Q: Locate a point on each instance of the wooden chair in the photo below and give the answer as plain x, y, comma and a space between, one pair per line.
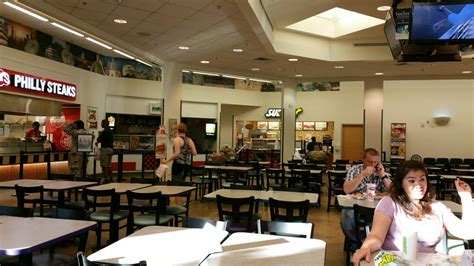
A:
304, 230
199, 179
299, 177
33, 195
237, 212
289, 207
335, 187
275, 177
429, 161
228, 177
83, 261
109, 212
149, 214
179, 211
363, 217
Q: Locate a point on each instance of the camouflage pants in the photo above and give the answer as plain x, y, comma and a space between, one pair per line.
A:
75, 163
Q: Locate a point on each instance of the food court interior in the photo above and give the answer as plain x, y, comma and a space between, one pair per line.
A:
254, 80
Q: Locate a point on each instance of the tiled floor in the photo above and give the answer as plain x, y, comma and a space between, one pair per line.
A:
326, 228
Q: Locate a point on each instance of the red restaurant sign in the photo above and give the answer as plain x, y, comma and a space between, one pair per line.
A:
28, 84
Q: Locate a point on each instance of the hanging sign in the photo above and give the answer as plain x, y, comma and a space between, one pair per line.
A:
273, 113
32, 85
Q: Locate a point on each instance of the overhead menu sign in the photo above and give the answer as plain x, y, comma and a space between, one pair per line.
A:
32, 85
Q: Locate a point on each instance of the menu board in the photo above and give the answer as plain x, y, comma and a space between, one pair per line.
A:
398, 140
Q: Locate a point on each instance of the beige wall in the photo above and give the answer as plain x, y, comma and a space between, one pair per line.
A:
343, 107
417, 102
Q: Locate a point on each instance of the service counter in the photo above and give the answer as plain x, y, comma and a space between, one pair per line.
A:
32, 164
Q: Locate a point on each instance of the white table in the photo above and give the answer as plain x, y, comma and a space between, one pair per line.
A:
348, 202
168, 191
22, 236
421, 258
257, 249
452, 177
24, 183
453, 206
311, 171
120, 188
263, 195
464, 170
228, 167
161, 245
61, 186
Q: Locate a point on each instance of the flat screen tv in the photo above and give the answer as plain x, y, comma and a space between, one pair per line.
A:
390, 31
211, 130
442, 22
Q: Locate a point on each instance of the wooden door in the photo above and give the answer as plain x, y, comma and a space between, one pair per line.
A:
352, 142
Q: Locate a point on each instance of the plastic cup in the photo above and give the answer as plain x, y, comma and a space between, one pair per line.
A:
371, 191
409, 245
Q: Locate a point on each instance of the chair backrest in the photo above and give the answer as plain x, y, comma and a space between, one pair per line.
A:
455, 161
468, 161
285, 210
198, 171
304, 230
83, 261
142, 180
22, 192
233, 176
156, 206
363, 218
276, 174
70, 214
336, 179
290, 165
190, 222
94, 199
442, 161
299, 176
429, 161
16, 211
245, 187
241, 209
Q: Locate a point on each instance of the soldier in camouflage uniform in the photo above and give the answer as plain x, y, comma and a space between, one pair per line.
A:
75, 158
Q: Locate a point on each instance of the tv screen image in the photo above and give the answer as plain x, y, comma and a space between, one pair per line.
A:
211, 130
390, 34
442, 22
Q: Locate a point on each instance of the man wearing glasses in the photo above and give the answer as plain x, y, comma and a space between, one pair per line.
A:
370, 171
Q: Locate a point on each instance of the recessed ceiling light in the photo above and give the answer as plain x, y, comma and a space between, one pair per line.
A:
255, 69
98, 43
120, 21
293, 59
384, 8
206, 73
21, 9
67, 29
237, 50
298, 76
379, 74
183, 47
339, 67
205, 62
467, 72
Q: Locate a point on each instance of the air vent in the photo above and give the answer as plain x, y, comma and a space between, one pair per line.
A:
262, 59
371, 44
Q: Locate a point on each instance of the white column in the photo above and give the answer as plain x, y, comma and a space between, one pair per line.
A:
288, 104
373, 106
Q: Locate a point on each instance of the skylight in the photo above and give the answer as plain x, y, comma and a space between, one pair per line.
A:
335, 22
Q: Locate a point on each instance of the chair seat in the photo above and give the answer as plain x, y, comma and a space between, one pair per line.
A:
149, 219
176, 210
47, 212
75, 204
104, 216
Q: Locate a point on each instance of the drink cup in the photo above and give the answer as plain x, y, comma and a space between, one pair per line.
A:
409, 245
371, 191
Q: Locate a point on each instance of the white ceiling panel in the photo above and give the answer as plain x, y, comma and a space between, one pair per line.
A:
124, 12
147, 5
194, 4
175, 11
90, 16
96, 5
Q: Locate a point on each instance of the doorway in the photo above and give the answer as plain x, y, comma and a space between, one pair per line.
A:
352, 142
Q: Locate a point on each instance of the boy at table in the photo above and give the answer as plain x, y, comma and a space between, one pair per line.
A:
370, 171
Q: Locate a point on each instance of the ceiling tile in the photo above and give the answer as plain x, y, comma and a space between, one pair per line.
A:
195, 4
117, 29
89, 16
151, 28
124, 12
62, 2
148, 5
97, 6
175, 11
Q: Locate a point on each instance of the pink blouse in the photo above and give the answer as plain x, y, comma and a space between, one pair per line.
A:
429, 230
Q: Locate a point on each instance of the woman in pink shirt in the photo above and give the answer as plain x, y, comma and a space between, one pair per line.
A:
410, 206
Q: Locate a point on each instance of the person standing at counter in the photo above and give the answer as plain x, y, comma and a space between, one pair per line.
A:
33, 133
106, 140
183, 149
75, 159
